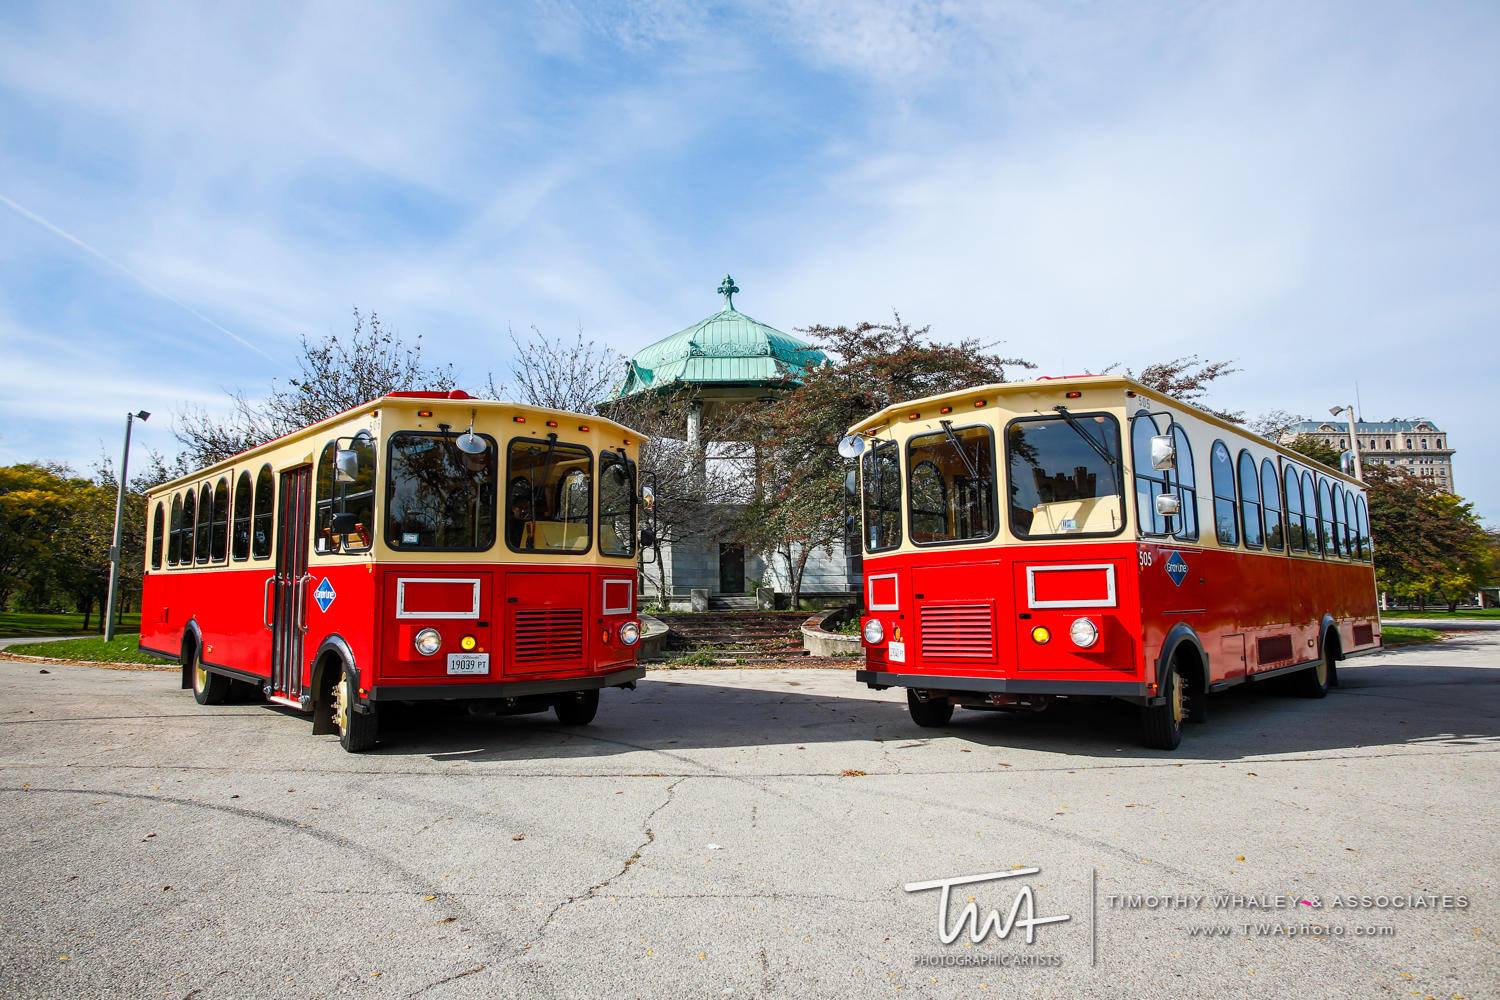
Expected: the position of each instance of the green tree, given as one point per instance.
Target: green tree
(1429, 545)
(1316, 449)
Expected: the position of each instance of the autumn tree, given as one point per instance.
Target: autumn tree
(798, 507)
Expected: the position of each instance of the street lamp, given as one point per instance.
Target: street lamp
(114, 548)
(1334, 411)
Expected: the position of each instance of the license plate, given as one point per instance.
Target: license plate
(468, 663)
(896, 652)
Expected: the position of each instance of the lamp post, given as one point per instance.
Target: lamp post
(114, 548)
(1359, 472)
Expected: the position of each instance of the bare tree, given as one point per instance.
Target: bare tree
(1274, 423)
(1186, 379)
(563, 375)
(334, 374)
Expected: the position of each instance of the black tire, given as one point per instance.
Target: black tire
(1315, 681)
(931, 714)
(358, 731)
(578, 708)
(209, 688)
(1161, 725)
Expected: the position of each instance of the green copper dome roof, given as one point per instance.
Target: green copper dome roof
(726, 349)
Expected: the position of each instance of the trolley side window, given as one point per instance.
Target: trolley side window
(174, 543)
(1250, 513)
(1064, 476)
(345, 518)
(616, 504)
(1226, 520)
(1270, 487)
(880, 473)
(205, 523)
(157, 532)
(952, 485)
(1296, 532)
(439, 498)
(548, 496)
(265, 500)
(242, 505)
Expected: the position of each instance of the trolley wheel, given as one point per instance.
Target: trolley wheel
(578, 708)
(357, 730)
(1315, 681)
(930, 714)
(1161, 725)
(209, 688)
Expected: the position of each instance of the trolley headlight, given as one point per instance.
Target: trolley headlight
(1083, 632)
(630, 633)
(874, 632)
(427, 641)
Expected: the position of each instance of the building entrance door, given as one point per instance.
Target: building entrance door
(731, 568)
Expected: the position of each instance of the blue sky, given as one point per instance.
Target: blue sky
(1309, 190)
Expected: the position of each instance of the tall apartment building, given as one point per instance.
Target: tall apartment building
(1418, 446)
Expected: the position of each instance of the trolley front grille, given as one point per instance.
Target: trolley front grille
(548, 634)
(958, 632)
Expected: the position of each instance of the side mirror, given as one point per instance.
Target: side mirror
(344, 524)
(851, 483)
(648, 538)
(1163, 453)
(1168, 505)
(648, 498)
(345, 465)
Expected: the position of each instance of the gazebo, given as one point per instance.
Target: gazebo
(725, 359)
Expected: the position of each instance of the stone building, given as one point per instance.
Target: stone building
(726, 358)
(1418, 446)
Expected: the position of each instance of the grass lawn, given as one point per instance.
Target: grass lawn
(1444, 613)
(1402, 635)
(20, 624)
(94, 649)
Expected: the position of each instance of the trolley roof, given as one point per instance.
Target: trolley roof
(1067, 383)
(408, 398)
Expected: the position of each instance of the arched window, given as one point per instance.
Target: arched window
(174, 532)
(1337, 518)
(1250, 500)
(1270, 488)
(1310, 513)
(354, 497)
(158, 527)
(616, 504)
(242, 517)
(1187, 484)
(1363, 520)
(929, 503)
(1149, 483)
(219, 532)
(189, 521)
(265, 502)
(202, 546)
(1296, 536)
(1351, 529)
(1226, 524)
(1325, 517)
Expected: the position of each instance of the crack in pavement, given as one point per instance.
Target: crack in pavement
(446, 979)
(635, 856)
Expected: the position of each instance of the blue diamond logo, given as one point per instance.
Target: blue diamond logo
(324, 595)
(1176, 567)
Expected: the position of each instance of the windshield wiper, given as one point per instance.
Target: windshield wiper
(1110, 460)
(953, 440)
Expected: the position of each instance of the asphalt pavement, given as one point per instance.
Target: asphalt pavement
(726, 833)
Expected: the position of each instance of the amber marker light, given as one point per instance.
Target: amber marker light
(913, 415)
(519, 420)
(468, 642)
(1075, 394)
(978, 403)
(584, 428)
(552, 423)
(424, 413)
(1041, 635)
(946, 409)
